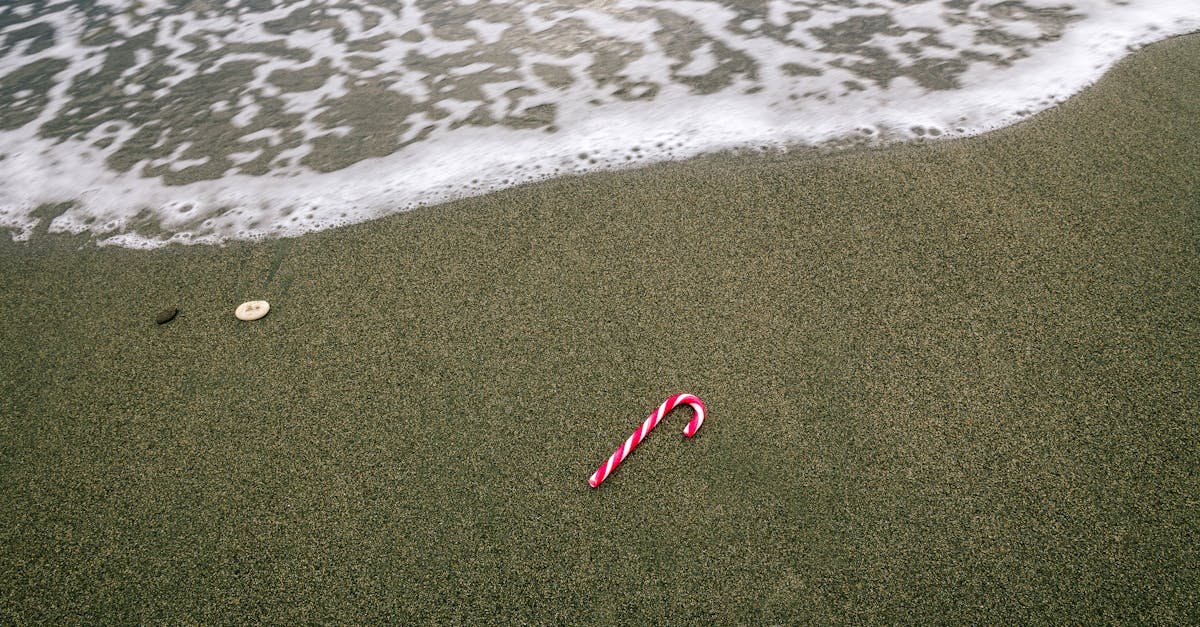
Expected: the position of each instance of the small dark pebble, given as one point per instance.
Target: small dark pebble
(166, 315)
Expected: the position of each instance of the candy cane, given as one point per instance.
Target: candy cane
(652, 420)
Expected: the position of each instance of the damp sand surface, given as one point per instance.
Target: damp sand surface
(946, 382)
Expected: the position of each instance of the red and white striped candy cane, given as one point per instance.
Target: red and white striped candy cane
(652, 420)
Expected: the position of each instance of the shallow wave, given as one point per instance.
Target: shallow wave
(239, 120)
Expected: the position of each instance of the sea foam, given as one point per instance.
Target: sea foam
(154, 124)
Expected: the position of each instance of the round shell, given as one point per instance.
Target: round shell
(252, 310)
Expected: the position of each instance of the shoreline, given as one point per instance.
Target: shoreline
(204, 224)
(952, 381)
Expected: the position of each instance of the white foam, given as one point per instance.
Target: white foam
(594, 128)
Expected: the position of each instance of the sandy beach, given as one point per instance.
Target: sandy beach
(952, 381)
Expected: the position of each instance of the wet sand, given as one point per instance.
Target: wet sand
(947, 382)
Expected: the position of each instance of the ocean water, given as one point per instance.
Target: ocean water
(146, 122)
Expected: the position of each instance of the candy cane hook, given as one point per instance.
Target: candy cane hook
(652, 421)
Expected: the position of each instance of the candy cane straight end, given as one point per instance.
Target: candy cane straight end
(651, 421)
